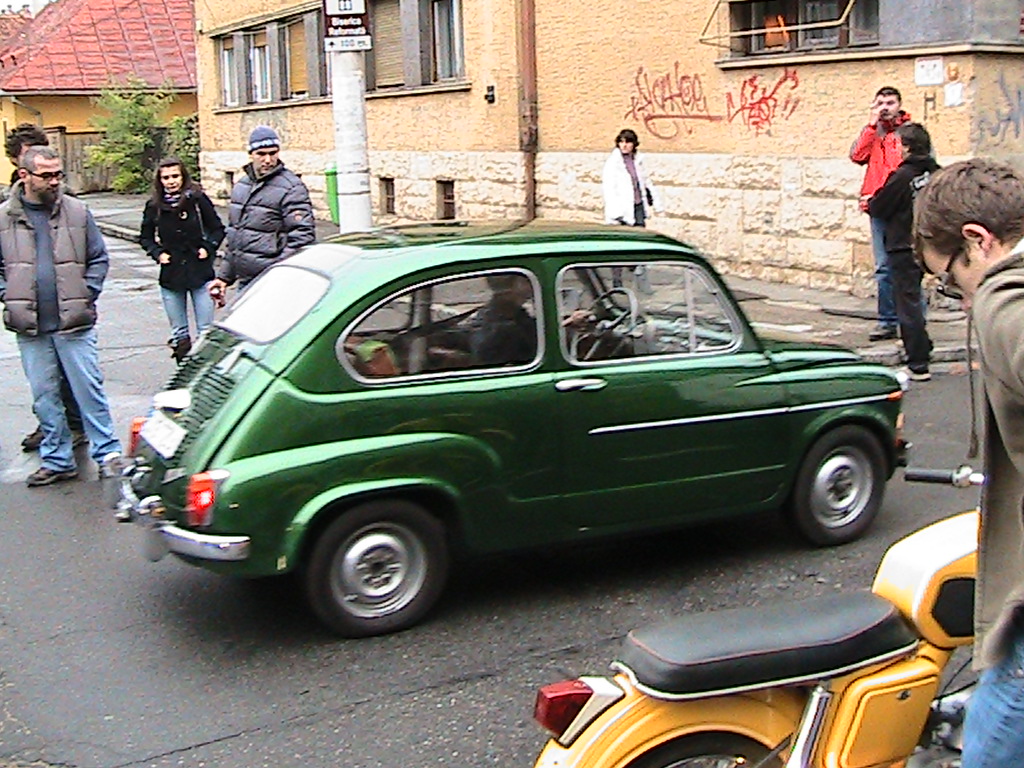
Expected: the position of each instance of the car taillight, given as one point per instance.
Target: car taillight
(201, 495)
(566, 708)
(133, 435)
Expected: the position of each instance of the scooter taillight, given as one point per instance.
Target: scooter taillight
(567, 708)
(559, 704)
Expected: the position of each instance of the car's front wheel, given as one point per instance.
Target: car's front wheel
(839, 487)
(378, 568)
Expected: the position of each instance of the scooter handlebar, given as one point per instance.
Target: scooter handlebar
(961, 477)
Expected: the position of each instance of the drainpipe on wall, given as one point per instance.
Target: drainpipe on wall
(526, 53)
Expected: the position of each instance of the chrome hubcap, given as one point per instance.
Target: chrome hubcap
(842, 489)
(379, 570)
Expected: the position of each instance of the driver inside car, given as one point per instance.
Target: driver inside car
(504, 332)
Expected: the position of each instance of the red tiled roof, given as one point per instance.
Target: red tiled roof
(12, 22)
(85, 45)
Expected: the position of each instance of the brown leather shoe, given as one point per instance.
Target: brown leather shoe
(32, 441)
(44, 476)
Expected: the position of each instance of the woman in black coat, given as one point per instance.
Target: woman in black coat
(181, 231)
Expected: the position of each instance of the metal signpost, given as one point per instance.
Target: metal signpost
(346, 36)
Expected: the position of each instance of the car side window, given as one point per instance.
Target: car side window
(637, 309)
(482, 320)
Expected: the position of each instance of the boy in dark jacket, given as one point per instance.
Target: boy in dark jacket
(894, 205)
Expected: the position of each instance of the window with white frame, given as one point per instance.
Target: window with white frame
(228, 81)
(281, 60)
(774, 26)
(259, 68)
(447, 39)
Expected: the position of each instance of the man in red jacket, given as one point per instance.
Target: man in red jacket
(878, 147)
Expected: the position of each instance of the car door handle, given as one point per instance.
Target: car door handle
(580, 385)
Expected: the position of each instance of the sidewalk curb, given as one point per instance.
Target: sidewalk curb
(116, 230)
(894, 357)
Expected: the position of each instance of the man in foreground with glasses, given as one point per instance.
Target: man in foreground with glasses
(53, 262)
(17, 142)
(968, 228)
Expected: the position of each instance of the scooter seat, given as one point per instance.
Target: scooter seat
(749, 648)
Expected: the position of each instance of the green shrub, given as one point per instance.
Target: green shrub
(182, 140)
(129, 132)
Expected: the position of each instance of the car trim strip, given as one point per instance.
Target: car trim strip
(737, 415)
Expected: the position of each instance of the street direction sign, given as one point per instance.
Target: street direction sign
(347, 25)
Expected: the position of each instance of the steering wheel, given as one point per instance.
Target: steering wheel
(622, 320)
(612, 315)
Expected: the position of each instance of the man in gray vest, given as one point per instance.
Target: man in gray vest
(52, 265)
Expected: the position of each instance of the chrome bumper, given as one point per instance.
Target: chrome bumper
(162, 536)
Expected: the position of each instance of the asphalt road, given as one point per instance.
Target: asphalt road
(107, 660)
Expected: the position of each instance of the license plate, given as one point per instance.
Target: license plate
(162, 434)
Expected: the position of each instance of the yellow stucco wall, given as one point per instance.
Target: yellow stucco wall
(752, 160)
(442, 122)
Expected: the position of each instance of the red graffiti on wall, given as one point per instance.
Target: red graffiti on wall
(665, 104)
(668, 104)
(759, 105)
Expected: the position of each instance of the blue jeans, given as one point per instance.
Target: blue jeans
(883, 275)
(76, 353)
(176, 307)
(994, 729)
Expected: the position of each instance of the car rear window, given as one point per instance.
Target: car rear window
(275, 303)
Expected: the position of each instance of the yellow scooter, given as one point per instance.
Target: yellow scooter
(842, 681)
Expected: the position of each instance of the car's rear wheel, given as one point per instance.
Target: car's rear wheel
(839, 487)
(707, 750)
(378, 568)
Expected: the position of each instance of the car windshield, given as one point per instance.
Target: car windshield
(275, 303)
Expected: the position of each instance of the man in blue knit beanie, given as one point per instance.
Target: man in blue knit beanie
(270, 216)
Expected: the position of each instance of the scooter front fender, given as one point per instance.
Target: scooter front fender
(638, 723)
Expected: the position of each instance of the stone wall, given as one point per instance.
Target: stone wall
(792, 220)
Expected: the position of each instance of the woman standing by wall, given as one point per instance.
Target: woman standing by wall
(629, 196)
(181, 231)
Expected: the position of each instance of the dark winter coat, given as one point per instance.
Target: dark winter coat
(269, 219)
(181, 231)
(894, 202)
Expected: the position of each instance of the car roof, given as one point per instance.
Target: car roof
(387, 253)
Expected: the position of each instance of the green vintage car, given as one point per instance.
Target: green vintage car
(382, 403)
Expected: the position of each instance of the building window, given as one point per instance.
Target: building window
(388, 66)
(387, 195)
(259, 68)
(228, 81)
(446, 199)
(296, 69)
(278, 61)
(447, 39)
(427, 49)
(774, 26)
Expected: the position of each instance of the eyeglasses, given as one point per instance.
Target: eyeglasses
(47, 175)
(947, 286)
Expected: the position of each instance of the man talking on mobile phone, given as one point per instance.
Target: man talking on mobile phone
(878, 147)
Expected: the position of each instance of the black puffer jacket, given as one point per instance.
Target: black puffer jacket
(181, 231)
(269, 219)
(894, 202)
